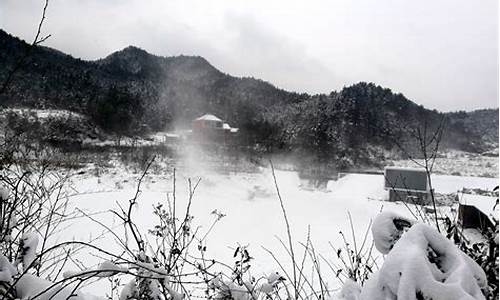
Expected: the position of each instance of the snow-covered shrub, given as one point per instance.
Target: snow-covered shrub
(387, 229)
(33, 205)
(27, 245)
(483, 251)
(31, 212)
(241, 285)
(227, 289)
(350, 291)
(421, 263)
(266, 287)
(485, 254)
(30, 286)
(7, 270)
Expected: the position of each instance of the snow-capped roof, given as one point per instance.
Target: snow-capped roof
(486, 204)
(226, 126)
(405, 169)
(208, 117)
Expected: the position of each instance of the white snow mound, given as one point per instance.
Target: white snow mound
(422, 262)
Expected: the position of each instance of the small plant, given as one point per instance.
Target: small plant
(357, 262)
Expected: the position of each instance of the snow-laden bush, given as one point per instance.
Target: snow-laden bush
(485, 254)
(421, 263)
(387, 229)
(483, 251)
(33, 205)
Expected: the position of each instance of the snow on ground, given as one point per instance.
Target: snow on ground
(462, 164)
(45, 113)
(253, 214)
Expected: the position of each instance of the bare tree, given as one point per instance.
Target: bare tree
(422, 149)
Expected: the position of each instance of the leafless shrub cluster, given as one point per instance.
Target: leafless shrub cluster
(33, 211)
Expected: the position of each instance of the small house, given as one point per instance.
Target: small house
(476, 211)
(211, 129)
(407, 184)
(207, 122)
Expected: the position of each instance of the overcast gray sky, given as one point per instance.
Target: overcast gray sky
(442, 54)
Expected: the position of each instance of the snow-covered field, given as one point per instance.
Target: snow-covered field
(252, 209)
(462, 164)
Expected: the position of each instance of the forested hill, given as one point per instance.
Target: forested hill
(132, 92)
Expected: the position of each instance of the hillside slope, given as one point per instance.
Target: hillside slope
(132, 91)
(481, 122)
